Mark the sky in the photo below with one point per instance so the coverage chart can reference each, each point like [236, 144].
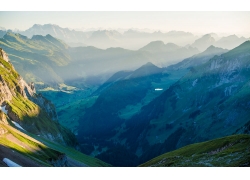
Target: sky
[198, 17]
[192, 21]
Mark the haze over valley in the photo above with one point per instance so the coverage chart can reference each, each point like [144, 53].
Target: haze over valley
[125, 96]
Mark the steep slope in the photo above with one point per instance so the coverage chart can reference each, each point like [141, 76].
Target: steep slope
[198, 59]
[30, 135]
[223, 152]
[36, 59]
[14, 94]
[29, 150]
[204, 42]
[22, 149]
[128, 90]
[209, 102]
[116, 101]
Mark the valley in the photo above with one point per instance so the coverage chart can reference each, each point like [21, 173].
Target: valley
[171, 99]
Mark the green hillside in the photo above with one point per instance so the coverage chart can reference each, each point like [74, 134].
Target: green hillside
[30, 130]
[36, 58]
[42, 151]
[222, 152]
[210, 101]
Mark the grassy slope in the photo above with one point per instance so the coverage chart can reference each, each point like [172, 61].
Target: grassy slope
[70, 104]
[30, 115]
[35, 58]
[227, 151]
[40, 149]
[202, 109]
[72, 153]
[26, 145]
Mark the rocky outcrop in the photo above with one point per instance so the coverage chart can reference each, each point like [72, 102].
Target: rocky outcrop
[3, 119]
[5, 91]
[3, 55]
[26, 90]
[20, 103]
[45, 104]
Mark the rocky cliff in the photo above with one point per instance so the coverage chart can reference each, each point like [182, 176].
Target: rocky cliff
[20, 103]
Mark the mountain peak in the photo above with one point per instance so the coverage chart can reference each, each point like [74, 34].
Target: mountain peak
[241, 49]
[146, 70]
[148, 64]
[211, 50]
[36, 25]
[154, 46]
[37, 37]
[14, 37]
[157, 43]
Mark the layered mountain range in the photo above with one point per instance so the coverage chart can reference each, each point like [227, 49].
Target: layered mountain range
[124, 106]
[45, 59]
[130, 39]
[212, 97]
[228, 42]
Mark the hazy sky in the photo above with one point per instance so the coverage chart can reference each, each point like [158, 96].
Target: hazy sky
[196, 22]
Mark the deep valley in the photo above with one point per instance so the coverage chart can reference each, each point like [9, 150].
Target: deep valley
[87, 99]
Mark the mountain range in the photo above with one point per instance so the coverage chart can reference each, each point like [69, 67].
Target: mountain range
[228, 42]
[47, 60]
[130, 39]
[123, 106]
[212, 97]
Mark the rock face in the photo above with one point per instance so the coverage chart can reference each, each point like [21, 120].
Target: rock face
[4, 120]
[22, 105]
[47, 106]
[5, 92]
[26, 90]
[3, 55]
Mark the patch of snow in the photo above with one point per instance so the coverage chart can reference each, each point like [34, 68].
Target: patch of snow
[158, 89]
[3, 109]
[10, 163]
[194, 82]
[17, 125]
